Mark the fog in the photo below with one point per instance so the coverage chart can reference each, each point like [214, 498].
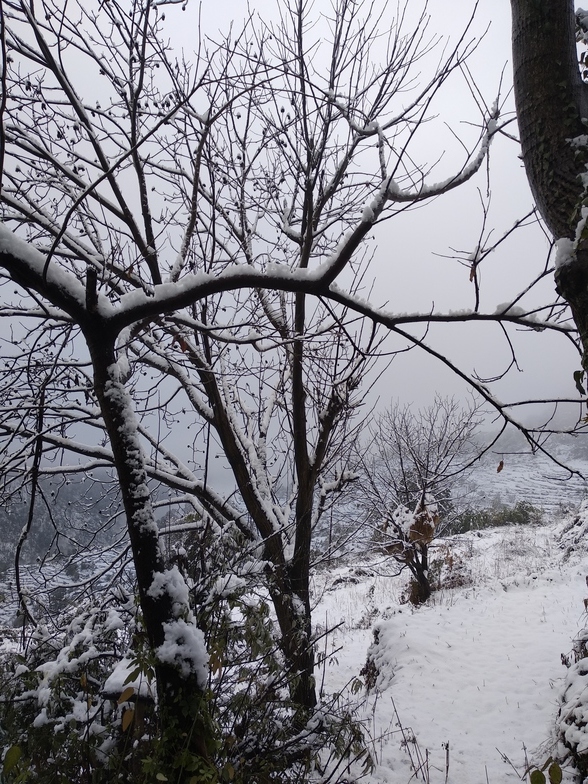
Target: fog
[412, 269]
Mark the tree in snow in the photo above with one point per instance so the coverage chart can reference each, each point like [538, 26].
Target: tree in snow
[184, 249]
[145, 213]
[414, 473]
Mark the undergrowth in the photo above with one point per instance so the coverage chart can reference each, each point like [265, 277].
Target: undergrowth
[78, 705]
[521, 513]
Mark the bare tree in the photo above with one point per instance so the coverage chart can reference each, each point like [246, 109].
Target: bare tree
[188, 249]
[413, 467]
[257, 166]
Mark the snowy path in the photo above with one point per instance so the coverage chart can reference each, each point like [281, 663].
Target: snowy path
[480, 670]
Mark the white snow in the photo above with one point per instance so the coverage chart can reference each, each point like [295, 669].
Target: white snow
[564, 252]
[119, 680]
[29, 257]
[403, 518]
[185, 648]
[478, 668]
[512, 310]
[171, 582]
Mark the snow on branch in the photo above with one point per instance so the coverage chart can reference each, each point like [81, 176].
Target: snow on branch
[25, 264]
[396, 194]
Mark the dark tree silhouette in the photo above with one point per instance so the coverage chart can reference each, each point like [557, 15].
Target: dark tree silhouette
[552, 107]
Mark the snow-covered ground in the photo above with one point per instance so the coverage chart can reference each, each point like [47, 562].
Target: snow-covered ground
[467, 686]
[471, 679]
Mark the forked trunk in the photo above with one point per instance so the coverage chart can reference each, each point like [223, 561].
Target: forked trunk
[420, 589]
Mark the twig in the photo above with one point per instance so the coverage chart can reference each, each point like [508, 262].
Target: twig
[22, 604]
[446, 747]
[506, 759]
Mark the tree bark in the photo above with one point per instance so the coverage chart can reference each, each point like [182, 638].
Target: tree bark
[289, 584]
[552, 102]
[420, 570]
[182, 710]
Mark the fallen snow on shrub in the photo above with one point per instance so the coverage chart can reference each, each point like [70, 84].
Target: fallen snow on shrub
[184, 647]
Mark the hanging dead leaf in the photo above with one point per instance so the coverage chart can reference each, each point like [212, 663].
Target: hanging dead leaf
[127, 719]
[126, 695]
[181, 343]
[500, 466]
[472, 273]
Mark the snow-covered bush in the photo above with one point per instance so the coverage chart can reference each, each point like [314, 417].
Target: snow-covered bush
[572, 719]
[378, 669]
[78, 699]
[448, 569]
[406, 535]
[57, 721]
[574, 533]
[265, 735]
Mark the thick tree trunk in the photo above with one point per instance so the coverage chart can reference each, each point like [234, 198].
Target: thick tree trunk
[182, 709]
[300, 579]
[551, 102]
[419, 566]
[294, 620]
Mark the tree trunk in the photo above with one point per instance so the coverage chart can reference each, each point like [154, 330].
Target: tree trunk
[300, 579]
[182, 709]
[419, 566]
[551, 101]
[294, 620]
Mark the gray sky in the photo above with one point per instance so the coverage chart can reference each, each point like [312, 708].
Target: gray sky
[405, 271]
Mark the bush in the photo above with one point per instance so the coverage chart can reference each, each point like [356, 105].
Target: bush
[65, 718]
[522, 513]
[449, 570]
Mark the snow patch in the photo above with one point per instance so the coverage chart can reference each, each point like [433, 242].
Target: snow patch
[184, 648]
[172, 583]
[564, 252]
[118, 680]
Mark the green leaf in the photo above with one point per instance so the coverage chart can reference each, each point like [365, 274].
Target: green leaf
[12, 756]
[132, 676]
[578, 378]
[546, 764]
[555, 774]
[537, 777]
[160, 777]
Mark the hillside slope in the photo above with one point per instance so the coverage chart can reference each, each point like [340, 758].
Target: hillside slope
[532, 478]
[474, 676]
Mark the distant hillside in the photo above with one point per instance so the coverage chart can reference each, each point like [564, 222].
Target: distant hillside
[66, 514]
[533, 478]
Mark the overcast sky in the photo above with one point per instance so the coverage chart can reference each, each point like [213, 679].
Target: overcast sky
[407, 274]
